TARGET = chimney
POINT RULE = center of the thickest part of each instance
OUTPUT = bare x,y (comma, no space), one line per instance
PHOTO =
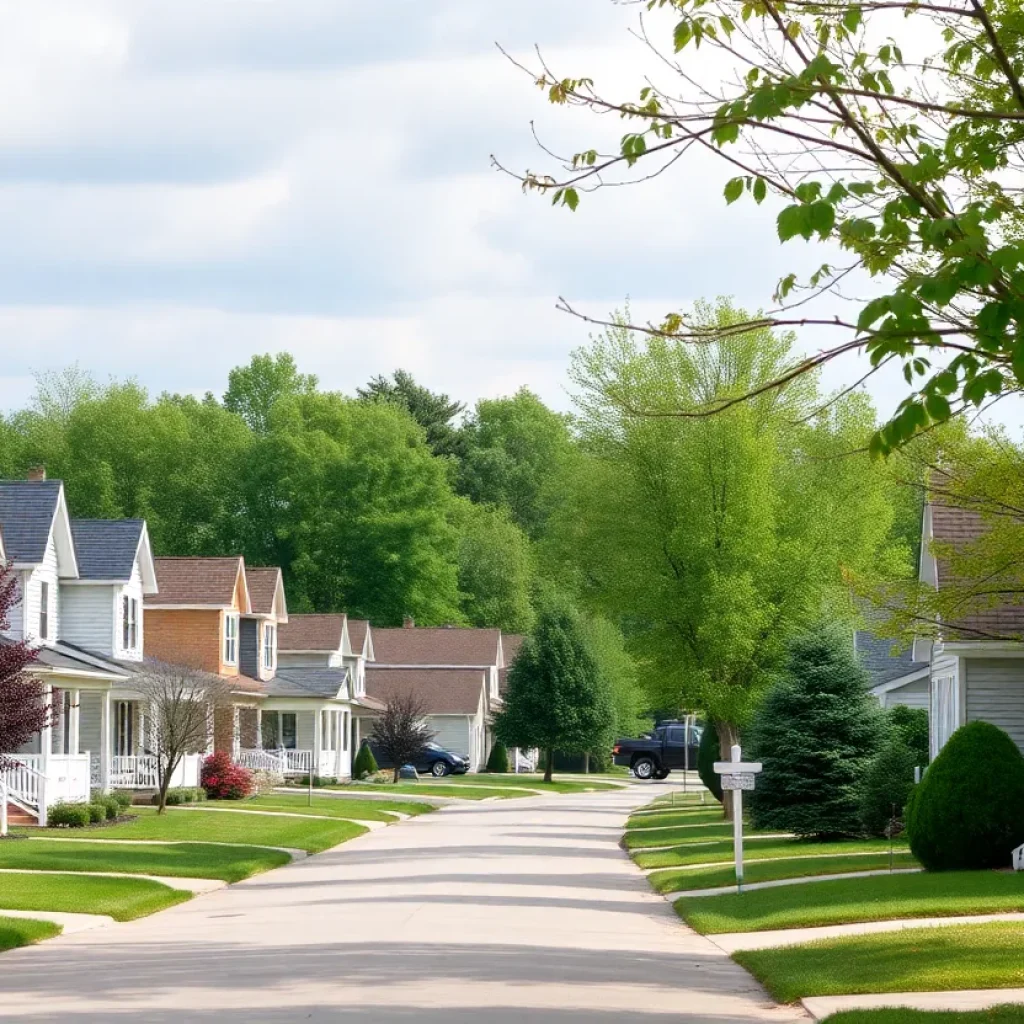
37,473
408,622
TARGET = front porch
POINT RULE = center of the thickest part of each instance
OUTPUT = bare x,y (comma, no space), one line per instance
294,740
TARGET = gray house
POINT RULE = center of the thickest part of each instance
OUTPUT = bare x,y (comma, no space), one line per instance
895,677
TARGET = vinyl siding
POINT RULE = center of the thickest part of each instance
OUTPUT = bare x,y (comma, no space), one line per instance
87,617
305,721
308,659
249,648
28,619
913,695
451,732
995,693
90,720
131,589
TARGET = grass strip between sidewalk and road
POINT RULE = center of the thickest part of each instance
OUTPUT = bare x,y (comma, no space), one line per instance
689,834
123,899
184,860
21,931
441,788
847,901
325,806
1009,1013
680,816
721,852
952,958
679,879
530,782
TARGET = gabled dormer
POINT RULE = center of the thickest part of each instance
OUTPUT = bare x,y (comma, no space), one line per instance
39,546
102,610
314,641
259,629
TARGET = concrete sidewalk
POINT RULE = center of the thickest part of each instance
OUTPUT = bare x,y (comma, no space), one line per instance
507,911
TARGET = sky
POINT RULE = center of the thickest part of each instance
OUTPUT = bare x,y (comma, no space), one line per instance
184,185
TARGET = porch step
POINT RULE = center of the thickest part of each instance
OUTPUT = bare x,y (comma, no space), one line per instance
19,816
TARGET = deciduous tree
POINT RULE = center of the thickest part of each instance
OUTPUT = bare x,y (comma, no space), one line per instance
401,729
24,709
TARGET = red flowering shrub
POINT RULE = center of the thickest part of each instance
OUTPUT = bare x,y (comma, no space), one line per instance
223,779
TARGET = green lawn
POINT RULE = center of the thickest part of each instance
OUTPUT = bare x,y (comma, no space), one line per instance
529,782
1008,1014
239,829
760,849
772,870
123,899
445,788
678,816
915,960
884,898
327,806
20,931
185,860
682,834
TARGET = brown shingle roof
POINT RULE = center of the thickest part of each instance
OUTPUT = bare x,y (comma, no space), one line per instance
510,644
262,582
436,646
443,691
205,581
357,633
311,633
245,684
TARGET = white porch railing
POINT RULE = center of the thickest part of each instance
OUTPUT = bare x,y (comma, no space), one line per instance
262,761
140,771
287,762
25,787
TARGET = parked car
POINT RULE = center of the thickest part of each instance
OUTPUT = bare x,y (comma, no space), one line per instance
670,745
432,759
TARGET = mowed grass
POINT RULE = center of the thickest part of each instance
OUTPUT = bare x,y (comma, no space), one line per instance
123,899
915,960
679,816
694,833
531,782
185,860
775,870
1009,1013
446,788
20,931
235,829
706,852
846,901
325,806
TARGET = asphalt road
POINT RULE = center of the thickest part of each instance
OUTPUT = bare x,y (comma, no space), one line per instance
494,912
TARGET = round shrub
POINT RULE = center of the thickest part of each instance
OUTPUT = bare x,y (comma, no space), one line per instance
887,786
365,763
497,763
707,754
69,815
97,813
222,779
113,808
968,811
123,797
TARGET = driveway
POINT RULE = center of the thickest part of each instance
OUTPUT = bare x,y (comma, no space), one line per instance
497,912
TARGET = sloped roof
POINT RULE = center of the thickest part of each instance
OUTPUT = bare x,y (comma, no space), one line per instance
69,657
443,691
245,684
27,508
307,682
311,633
106,548
263,582
444,645
876,655
196,581
357,633
510,644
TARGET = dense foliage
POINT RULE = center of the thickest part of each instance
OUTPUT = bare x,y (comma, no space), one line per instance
887,784
365,763
911,726
816,734
707,754
222,779
968,811
400,730
497,761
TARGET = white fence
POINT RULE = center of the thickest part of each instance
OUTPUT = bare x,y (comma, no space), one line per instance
287,762
140,771
36,785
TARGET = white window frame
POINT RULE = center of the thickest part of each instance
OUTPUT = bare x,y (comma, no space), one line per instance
269,644
130,623
44,609
230,639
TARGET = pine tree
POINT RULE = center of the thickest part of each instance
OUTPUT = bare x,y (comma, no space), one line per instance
816,733
365,763
557,698
497,763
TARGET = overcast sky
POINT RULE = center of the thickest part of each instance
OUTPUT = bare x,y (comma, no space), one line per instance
184,184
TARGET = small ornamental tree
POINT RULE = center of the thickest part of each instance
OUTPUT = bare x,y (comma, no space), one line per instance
707,754
365,763
24,709
401,730
968,811
223,779
557,698
497,763
816,734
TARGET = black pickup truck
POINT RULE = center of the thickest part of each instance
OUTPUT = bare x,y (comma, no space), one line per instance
669,745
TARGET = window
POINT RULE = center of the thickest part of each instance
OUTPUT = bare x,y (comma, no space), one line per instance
124,729
288,731
269,644
677,736
44,611
230,639
130,623
277,730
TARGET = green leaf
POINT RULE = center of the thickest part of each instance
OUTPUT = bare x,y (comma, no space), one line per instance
851,19
760,190
821,218
571,199
937,407
792,221
733,190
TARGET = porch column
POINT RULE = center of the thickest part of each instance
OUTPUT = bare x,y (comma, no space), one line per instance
105,737
259,728
339,732
318,725
46,733
74,721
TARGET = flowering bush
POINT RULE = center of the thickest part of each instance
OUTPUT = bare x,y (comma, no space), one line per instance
223,779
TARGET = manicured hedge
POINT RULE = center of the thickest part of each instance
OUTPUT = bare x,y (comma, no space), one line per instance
707,754
69,815
365,763
497,763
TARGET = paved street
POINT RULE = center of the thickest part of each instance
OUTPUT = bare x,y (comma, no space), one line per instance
498,912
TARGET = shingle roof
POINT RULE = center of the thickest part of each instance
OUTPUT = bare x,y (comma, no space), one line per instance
311,633
875,655
105,549
510,644
262,582
307,682
357,633
443,691
436,646
58,656
204,581
27,508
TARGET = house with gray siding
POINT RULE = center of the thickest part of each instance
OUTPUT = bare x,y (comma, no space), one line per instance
895,678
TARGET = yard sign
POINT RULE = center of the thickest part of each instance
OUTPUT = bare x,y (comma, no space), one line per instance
737,775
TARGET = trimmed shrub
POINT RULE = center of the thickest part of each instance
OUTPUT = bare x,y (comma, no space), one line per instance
319,781
968,811
365,763
123,797
182,795
222,779
97,813
69,815
112,806
497,763
816,733
887,785
911,725
707,754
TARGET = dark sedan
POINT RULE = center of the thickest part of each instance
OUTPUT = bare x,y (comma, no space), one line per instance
431,760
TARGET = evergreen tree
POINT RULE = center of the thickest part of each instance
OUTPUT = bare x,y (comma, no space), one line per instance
557,697
816,733
707,754
497,763
365,763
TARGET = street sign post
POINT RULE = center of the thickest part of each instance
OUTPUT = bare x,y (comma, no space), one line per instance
737,775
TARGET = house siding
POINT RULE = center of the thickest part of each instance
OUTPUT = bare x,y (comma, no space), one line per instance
309,659
133,588
187,637
452,732
995,693
88,617
913,695
249,648
90,720
45,572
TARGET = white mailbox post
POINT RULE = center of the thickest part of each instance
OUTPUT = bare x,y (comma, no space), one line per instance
737,775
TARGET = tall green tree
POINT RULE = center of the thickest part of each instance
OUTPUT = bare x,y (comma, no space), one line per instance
889,131
557,697
253,389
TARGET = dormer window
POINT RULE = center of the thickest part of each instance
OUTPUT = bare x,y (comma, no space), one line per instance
44,610
269,644
130,623
230,639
